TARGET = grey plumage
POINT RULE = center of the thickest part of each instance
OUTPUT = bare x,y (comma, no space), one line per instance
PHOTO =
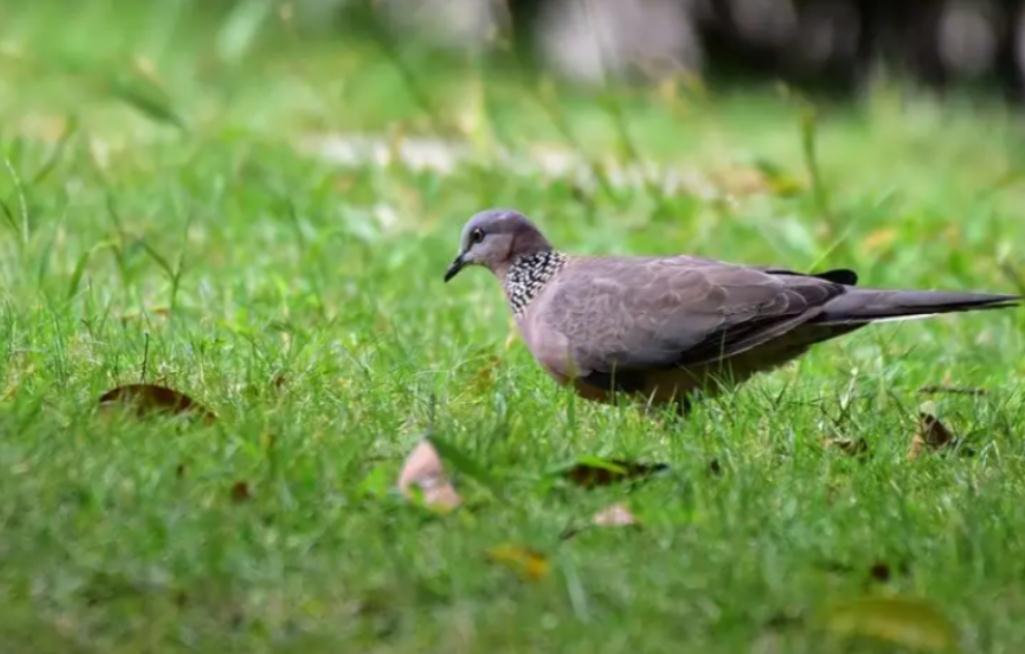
666,327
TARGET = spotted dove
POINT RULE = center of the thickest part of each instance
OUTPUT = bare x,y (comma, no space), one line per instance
667,328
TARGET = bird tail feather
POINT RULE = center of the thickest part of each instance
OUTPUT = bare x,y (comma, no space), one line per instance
870,305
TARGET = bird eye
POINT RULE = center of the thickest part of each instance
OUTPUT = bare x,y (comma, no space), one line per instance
477,235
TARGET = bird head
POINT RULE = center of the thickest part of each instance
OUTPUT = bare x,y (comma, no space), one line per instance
494,239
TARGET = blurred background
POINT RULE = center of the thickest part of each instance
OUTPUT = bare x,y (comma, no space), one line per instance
819,129
832,48
828,44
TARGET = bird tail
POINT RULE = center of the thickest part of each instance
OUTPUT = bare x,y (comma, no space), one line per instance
859,305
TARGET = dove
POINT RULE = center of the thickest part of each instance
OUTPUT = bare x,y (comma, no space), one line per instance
669,329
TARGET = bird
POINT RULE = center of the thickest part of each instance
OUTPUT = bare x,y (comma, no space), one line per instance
672,329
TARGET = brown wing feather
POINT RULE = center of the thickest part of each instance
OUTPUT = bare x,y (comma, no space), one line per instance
626,314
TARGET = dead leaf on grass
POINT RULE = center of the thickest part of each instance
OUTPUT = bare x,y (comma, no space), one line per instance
932,436
879,239
762,177
933,389
879,571
902,621
158,312
423,471
615,515
240,492
784,620
715,468
484,378
152,398
530,564
780,182
849,446
279,381
590,472
741,181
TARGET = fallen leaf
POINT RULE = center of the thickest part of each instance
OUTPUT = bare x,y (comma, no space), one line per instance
529,564
151,398
159,312
569,532
762,177
279,381
880,239
879,571
835,567
590,472
779,181
615,515
932,435
902,621
954,390
484,378
741,180
240,492
849,446
423,470
784,620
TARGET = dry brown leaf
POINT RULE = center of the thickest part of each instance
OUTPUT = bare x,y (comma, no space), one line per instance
615,515
152,398
879,571
279,381
932,436
157,312
240,492
741,180
484,378
932,389
849,446
529,564
591,471
423,470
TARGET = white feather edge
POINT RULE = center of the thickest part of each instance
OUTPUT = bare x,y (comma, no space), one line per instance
917,316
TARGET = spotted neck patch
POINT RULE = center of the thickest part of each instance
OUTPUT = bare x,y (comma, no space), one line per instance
528,275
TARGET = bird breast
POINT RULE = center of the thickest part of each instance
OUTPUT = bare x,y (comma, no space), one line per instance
550,347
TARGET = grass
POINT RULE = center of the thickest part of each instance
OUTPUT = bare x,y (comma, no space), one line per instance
166,220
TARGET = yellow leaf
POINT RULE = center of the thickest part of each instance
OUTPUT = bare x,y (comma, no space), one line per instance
880,239
903,621
529,564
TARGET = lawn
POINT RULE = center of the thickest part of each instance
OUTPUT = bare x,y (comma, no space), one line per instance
258,213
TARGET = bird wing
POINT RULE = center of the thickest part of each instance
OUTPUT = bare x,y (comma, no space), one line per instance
633,314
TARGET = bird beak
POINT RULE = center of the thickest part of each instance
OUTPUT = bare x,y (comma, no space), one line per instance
454,269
